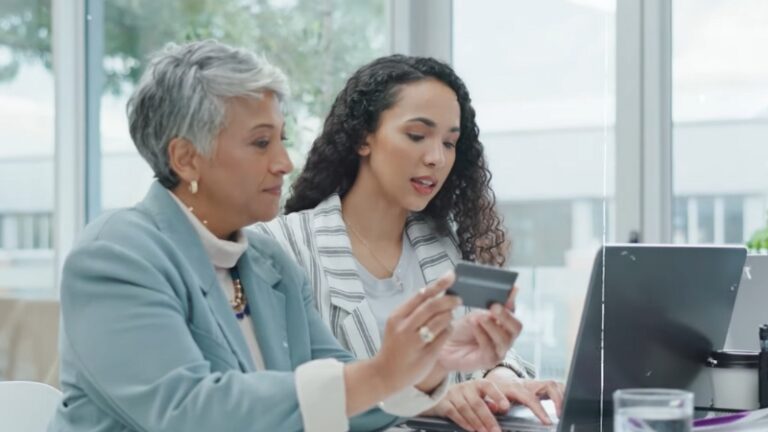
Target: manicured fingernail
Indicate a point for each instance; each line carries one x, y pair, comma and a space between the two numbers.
496, 309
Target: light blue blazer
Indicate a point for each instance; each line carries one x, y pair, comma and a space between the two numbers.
150, 343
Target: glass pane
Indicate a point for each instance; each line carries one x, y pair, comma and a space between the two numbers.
543, 87
317, 43
720, 120
26, 147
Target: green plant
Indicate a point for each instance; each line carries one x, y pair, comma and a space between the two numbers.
758, 241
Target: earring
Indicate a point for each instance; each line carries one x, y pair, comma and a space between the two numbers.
193, 187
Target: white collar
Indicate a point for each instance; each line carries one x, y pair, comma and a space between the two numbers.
222, 253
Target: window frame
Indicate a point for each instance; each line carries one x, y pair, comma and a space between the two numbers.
644, 120
643, 123
67, 44
421, 28
643, 196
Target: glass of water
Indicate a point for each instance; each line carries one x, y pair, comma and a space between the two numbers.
652, 410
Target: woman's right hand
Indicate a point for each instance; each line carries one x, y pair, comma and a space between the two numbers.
404, 357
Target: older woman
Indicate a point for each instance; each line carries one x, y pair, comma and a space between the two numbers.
176, 319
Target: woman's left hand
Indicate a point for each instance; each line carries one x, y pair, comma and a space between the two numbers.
480, 339
468, 405
528, 392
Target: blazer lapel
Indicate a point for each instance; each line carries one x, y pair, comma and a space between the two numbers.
345, 289
174, 223
267, 306
228, 324
435, 256
362, 331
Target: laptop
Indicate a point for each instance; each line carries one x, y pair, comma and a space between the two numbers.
751, 309
666, 308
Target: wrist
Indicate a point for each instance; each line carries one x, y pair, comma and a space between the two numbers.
383, 378
503, 366
434, 378
366, 383
501, 373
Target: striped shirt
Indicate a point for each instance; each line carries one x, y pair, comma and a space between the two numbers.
317, 238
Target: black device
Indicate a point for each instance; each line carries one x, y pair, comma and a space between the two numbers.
762, 367
652, 315
480, 286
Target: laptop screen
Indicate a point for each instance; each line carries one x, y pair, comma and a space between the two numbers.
658, 311
651, 316
750, 311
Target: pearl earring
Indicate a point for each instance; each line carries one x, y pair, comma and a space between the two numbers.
193, 187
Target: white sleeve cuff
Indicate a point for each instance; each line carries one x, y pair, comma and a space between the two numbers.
322, 395
412, 402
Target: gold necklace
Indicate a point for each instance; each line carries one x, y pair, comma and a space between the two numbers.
239, 302
376, 258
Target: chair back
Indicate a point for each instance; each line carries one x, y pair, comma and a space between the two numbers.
27, 406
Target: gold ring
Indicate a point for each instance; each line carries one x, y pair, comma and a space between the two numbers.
426, 334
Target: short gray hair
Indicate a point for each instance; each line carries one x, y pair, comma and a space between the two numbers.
184, 93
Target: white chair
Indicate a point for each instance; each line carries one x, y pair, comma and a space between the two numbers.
26, 406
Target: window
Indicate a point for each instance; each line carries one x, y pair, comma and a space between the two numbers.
317, 44
26, 146
543, 87
33, 232
720, 120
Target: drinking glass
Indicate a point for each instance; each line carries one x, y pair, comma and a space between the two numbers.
652, 410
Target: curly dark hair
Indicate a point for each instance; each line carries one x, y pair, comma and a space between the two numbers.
466, 200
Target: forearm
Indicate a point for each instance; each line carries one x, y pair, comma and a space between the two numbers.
518, 364
365, 386
433, 380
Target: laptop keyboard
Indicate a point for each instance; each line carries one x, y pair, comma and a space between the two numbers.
430, 424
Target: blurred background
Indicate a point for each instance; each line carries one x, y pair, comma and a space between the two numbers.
603, 121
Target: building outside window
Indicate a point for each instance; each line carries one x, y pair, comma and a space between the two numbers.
720, 120
317, 43
26, 146
542, 84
